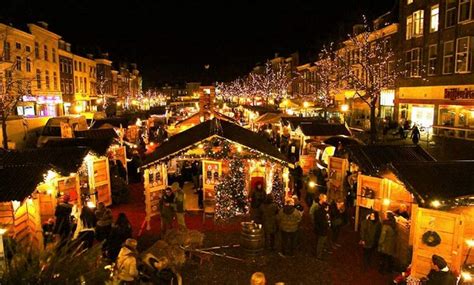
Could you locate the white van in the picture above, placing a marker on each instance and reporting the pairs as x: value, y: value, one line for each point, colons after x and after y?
x: 52, y: 129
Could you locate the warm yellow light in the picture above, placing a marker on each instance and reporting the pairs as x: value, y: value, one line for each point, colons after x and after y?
x: 268, y: 131
x: 239, y: 148
x: 201, y: 145
x: 152, y: 143
x: 344, y: 108
x: 78, y: 108
x: 436, y: 203
x: 99, y: 101
x: 470, y: 242
x: 386, y: 202
x: 466, y: 276
x: 285, y: 175
x: 2, y: 231
x: 16, y: 205
x: 90, y: 204
x: 262, y: 162
x: 29, y: 201
x: 311, y: 184
x: 306, y: 104
x: 49, y: 191
x: 119, y: 103
x: 290, y: 112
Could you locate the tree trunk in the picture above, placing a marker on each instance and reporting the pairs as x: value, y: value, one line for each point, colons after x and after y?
x: 373, y: 126
x: 4, y: 133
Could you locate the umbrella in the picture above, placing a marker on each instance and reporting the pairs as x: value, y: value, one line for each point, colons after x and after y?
x: 345, y: 140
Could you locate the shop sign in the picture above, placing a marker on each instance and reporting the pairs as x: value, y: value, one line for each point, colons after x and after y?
x: 457, y: 93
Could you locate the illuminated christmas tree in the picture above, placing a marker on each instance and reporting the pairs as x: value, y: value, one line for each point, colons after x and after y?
x: 278, y: 190
x: 231, y: 196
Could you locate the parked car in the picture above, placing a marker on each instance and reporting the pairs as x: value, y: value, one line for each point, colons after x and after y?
x: 52, y: 129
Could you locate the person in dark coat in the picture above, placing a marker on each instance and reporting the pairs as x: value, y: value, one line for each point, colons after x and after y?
x: 48, y: 232
x: 256, y: 200
x: 338, y: 213
x: 387, y: 242
x: 167, y: 210
x: 269, y: 210
x: 298, y: 179
x: 440, y: 273
x: 415, y: 135
x: 104, y: 219
x: 322, y: 224
x: 288, y: 219
x: 120, y: 232
x: 63, y: 218
x: 369, y: 236
x: 85, y: 233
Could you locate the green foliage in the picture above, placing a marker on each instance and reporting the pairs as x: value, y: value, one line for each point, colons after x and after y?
x: 231, y: 196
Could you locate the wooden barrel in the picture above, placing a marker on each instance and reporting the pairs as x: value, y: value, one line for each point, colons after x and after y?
x: 252, y: 239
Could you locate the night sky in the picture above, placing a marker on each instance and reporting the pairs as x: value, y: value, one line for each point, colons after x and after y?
x: 171, y: 41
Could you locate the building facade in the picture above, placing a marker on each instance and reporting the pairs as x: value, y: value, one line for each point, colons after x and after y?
x: 84, y: 83
x: 438, y: 50
x: 66, y: 76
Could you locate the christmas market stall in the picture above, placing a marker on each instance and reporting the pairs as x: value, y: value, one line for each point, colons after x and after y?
x: 442, y: 216
x: 31, y: 184
x: 233, y: 160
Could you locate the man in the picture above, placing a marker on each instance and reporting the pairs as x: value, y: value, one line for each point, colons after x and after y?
x: 440, y: 273
x: 298, y: 179
x: 63, y: 218
x: 126, y: 267
x: 179, y: 202
x: 288, y: 221
x: 322, y: 198
x: 322, y: 223
x: 167, y: 211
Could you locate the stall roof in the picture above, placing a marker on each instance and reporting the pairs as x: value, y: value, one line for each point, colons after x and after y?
x: 115, y: 122
x: 20, y: 181
x: 210, y: 128
x: 196, y: 118
x: 268, y: 118
x: 97, y: 134
x: 261, y: 109
x: 65, y: 160
x: 98, y: 146
x: 320, y: 129
x: 436, y: 180
x: 295, y: 122
x: 372, y: 158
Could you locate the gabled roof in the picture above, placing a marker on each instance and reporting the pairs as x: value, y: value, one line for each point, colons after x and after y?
x: 19, y: 182
x: 65, y: 160
x: 196, y: 118
x: 436, y: 180
x: 98, y: 146
x: 116, y: 122
x: 210, y: 128
x: 295, y: 122
x: 372, y: 158
x: 261, y: 109
x: 98, y: 134
x: 319, y: 129
x: 268, y: 118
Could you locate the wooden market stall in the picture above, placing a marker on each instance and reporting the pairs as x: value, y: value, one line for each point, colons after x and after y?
x: 214, y: 142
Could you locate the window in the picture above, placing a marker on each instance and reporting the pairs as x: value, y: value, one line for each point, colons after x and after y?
x: 465, y: 10
x: 46, y: 79
x: 463, y: 53
x: 75, y: 65
x: 448, y: 57
x: 63, y: 87
x: 418, y: 23
x: 6, y: 51
x: 432, y: 57
x: 415, y: 62
x: 55, y: 80
x: 53, y: 54
x: 85, y: 85
x: 45, y: 52
x: 61, y: 65
x: 18, y: 63
x: 38, y: 78
x: 18, y: 45
x: 28, y: 65
x: 76, y: 84
x: 409, y: 34
x: 434, y: 21
x: 37, y: 53
x: 450, y: 13
x: 27, y: 48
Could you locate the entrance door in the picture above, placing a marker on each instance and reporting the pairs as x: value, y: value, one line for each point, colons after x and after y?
x: 422, y: 115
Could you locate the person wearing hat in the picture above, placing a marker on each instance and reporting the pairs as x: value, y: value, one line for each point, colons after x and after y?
x: 179, y: 200
x: 126, y: 266
x: 440, y: 273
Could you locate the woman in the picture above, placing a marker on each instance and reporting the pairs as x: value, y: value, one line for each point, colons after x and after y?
x: 415, y: 135
x: 369, y: 236
x: 256, y: 199
x: 387, y: 243
x: 85, y: 231
x: 121, y: 231
x: 269, y: 210
x: 104, y: 222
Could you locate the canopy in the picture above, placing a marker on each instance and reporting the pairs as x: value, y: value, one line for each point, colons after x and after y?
x: 345, y: 140
x: 268, y: 118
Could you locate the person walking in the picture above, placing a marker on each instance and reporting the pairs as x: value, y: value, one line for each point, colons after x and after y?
x: 256, y: 199
x: 179, y: 201
x: 167, y: 211
x: 288, y: 221
x: 269, y: 210
x: 387, y: 241
x: 120, y: 232
x: 104, y: 219
x: 369, y: 236
x: 415, y: 135
x: 322, y: 224
x: 126, y: 266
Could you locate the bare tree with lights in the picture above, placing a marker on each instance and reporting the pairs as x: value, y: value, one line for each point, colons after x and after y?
x: 370, y: 71
x: 13, y: 86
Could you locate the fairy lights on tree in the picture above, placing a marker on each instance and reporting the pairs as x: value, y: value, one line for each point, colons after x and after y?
x: 278, y: 189
x: 231, y: 195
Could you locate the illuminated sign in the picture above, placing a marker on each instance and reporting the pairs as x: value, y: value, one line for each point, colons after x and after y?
x: 457, y: 93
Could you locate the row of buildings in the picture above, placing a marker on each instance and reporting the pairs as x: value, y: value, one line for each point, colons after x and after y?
x: 433, y: 41
x: 58, y: 81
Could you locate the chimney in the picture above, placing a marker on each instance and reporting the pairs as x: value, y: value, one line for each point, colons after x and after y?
x: 358, y: 29
x: 43, y: 24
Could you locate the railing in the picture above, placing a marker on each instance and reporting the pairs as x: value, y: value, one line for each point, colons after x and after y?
x: 454, y: 132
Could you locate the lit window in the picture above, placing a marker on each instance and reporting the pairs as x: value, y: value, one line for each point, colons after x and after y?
x: 409, y: 2
x: 465, y: 10
x: 45, y: 52
x: 18, y: 63
x: 450, y: 13
x: 432, y: 58
x: 409, y: 27
x: 28, y: 65
x: 55, y: 80
x: 434, y: 23
x: 46, y: 79
x: 448, y: 57
x: 37, y: 53
x: 38, y: 78
x: 463, y: 51
x: 415, y: 62
x: 418, y: 23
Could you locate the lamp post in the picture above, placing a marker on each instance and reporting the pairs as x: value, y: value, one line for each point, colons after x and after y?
x: 344, y: 109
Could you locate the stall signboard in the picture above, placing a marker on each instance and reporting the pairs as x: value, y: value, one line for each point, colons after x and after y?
x: 307, y: 162
x: 66, y: 130
x: 155, y: 181
x: 337, y: 173
x: 212, y: 171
